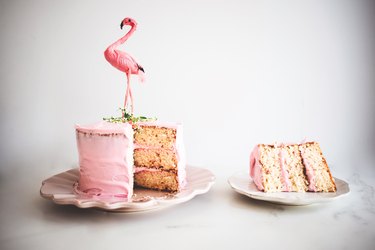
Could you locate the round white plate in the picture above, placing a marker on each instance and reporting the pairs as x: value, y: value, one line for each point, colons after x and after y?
x: 60, y: 189
x: 243, y: 184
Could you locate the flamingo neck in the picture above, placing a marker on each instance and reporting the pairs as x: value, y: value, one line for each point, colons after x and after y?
x: 124, y: 38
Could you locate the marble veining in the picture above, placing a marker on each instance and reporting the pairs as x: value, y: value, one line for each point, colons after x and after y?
x: 362, y: 205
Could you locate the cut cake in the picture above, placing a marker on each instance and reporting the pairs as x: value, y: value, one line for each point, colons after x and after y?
x: 113, y: 157
x: 290, y: 168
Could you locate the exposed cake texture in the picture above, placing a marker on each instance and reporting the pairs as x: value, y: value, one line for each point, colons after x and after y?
x: 106, y: 159
x: 317, y: 171
x: 159, y: 158
x: 160, y: 180
x: 291, y: 168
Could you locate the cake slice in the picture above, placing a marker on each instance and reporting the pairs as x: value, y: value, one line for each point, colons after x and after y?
x: 159, y: 160
x: 290, y: 168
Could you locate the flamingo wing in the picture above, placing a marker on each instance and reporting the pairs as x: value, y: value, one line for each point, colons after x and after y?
x: 126, y: 62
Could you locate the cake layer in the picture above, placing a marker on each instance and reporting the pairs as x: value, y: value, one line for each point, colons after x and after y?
x: 157, y: 179
x: 294, y: 168
x: 271, y: 169
x: 106, y: 159
x: 155, y: 158
x: 154, y: 136
x: 319, y: 175
x: 290, y: 168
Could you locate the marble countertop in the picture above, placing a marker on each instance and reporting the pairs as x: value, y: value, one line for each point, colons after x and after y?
x: 219, y: 219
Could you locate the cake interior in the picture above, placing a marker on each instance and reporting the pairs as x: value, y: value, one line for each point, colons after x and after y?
x: 282, y: 169
x: 294, y: 168
x: 155, y: 158
x: 313, y: 158
x: 268, y: 158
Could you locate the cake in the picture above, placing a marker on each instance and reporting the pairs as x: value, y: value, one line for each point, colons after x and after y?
x: 290, y: 168
x: 115, y: 157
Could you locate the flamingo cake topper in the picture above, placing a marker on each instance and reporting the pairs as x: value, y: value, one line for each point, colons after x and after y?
x: 124, y: 62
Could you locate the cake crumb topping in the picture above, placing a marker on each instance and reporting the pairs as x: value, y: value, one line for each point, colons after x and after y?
x: 128, y: 117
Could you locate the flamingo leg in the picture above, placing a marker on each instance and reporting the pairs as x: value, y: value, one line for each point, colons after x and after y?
x: 131, y: 99
x: 126, y: 93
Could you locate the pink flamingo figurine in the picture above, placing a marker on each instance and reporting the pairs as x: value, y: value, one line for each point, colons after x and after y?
x: 123, y: 61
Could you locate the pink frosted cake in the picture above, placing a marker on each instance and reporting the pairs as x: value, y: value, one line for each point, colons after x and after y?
x: 115, y: 156
x: 290, y: 168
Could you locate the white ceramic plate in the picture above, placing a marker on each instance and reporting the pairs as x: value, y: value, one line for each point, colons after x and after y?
x: 60, y: 189
x: 243, y: 184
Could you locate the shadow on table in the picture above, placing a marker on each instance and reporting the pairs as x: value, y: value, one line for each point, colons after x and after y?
x: 244, y: 202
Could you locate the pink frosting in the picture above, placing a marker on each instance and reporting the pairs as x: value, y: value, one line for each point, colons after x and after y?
x: 106, y: 159
x: 256, y: 168
x: 140, y: 169
x: 310, y: 173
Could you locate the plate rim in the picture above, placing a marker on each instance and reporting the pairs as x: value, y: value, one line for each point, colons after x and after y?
x: 267, y: 197
x: 202, y: 186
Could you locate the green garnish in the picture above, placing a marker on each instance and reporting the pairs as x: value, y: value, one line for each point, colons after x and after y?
x: 128, y: 117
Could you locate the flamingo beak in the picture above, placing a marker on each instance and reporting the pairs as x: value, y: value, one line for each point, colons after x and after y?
x: 121, y: 25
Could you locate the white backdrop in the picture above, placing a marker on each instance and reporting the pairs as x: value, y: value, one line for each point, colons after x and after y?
x: 236, y: 73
